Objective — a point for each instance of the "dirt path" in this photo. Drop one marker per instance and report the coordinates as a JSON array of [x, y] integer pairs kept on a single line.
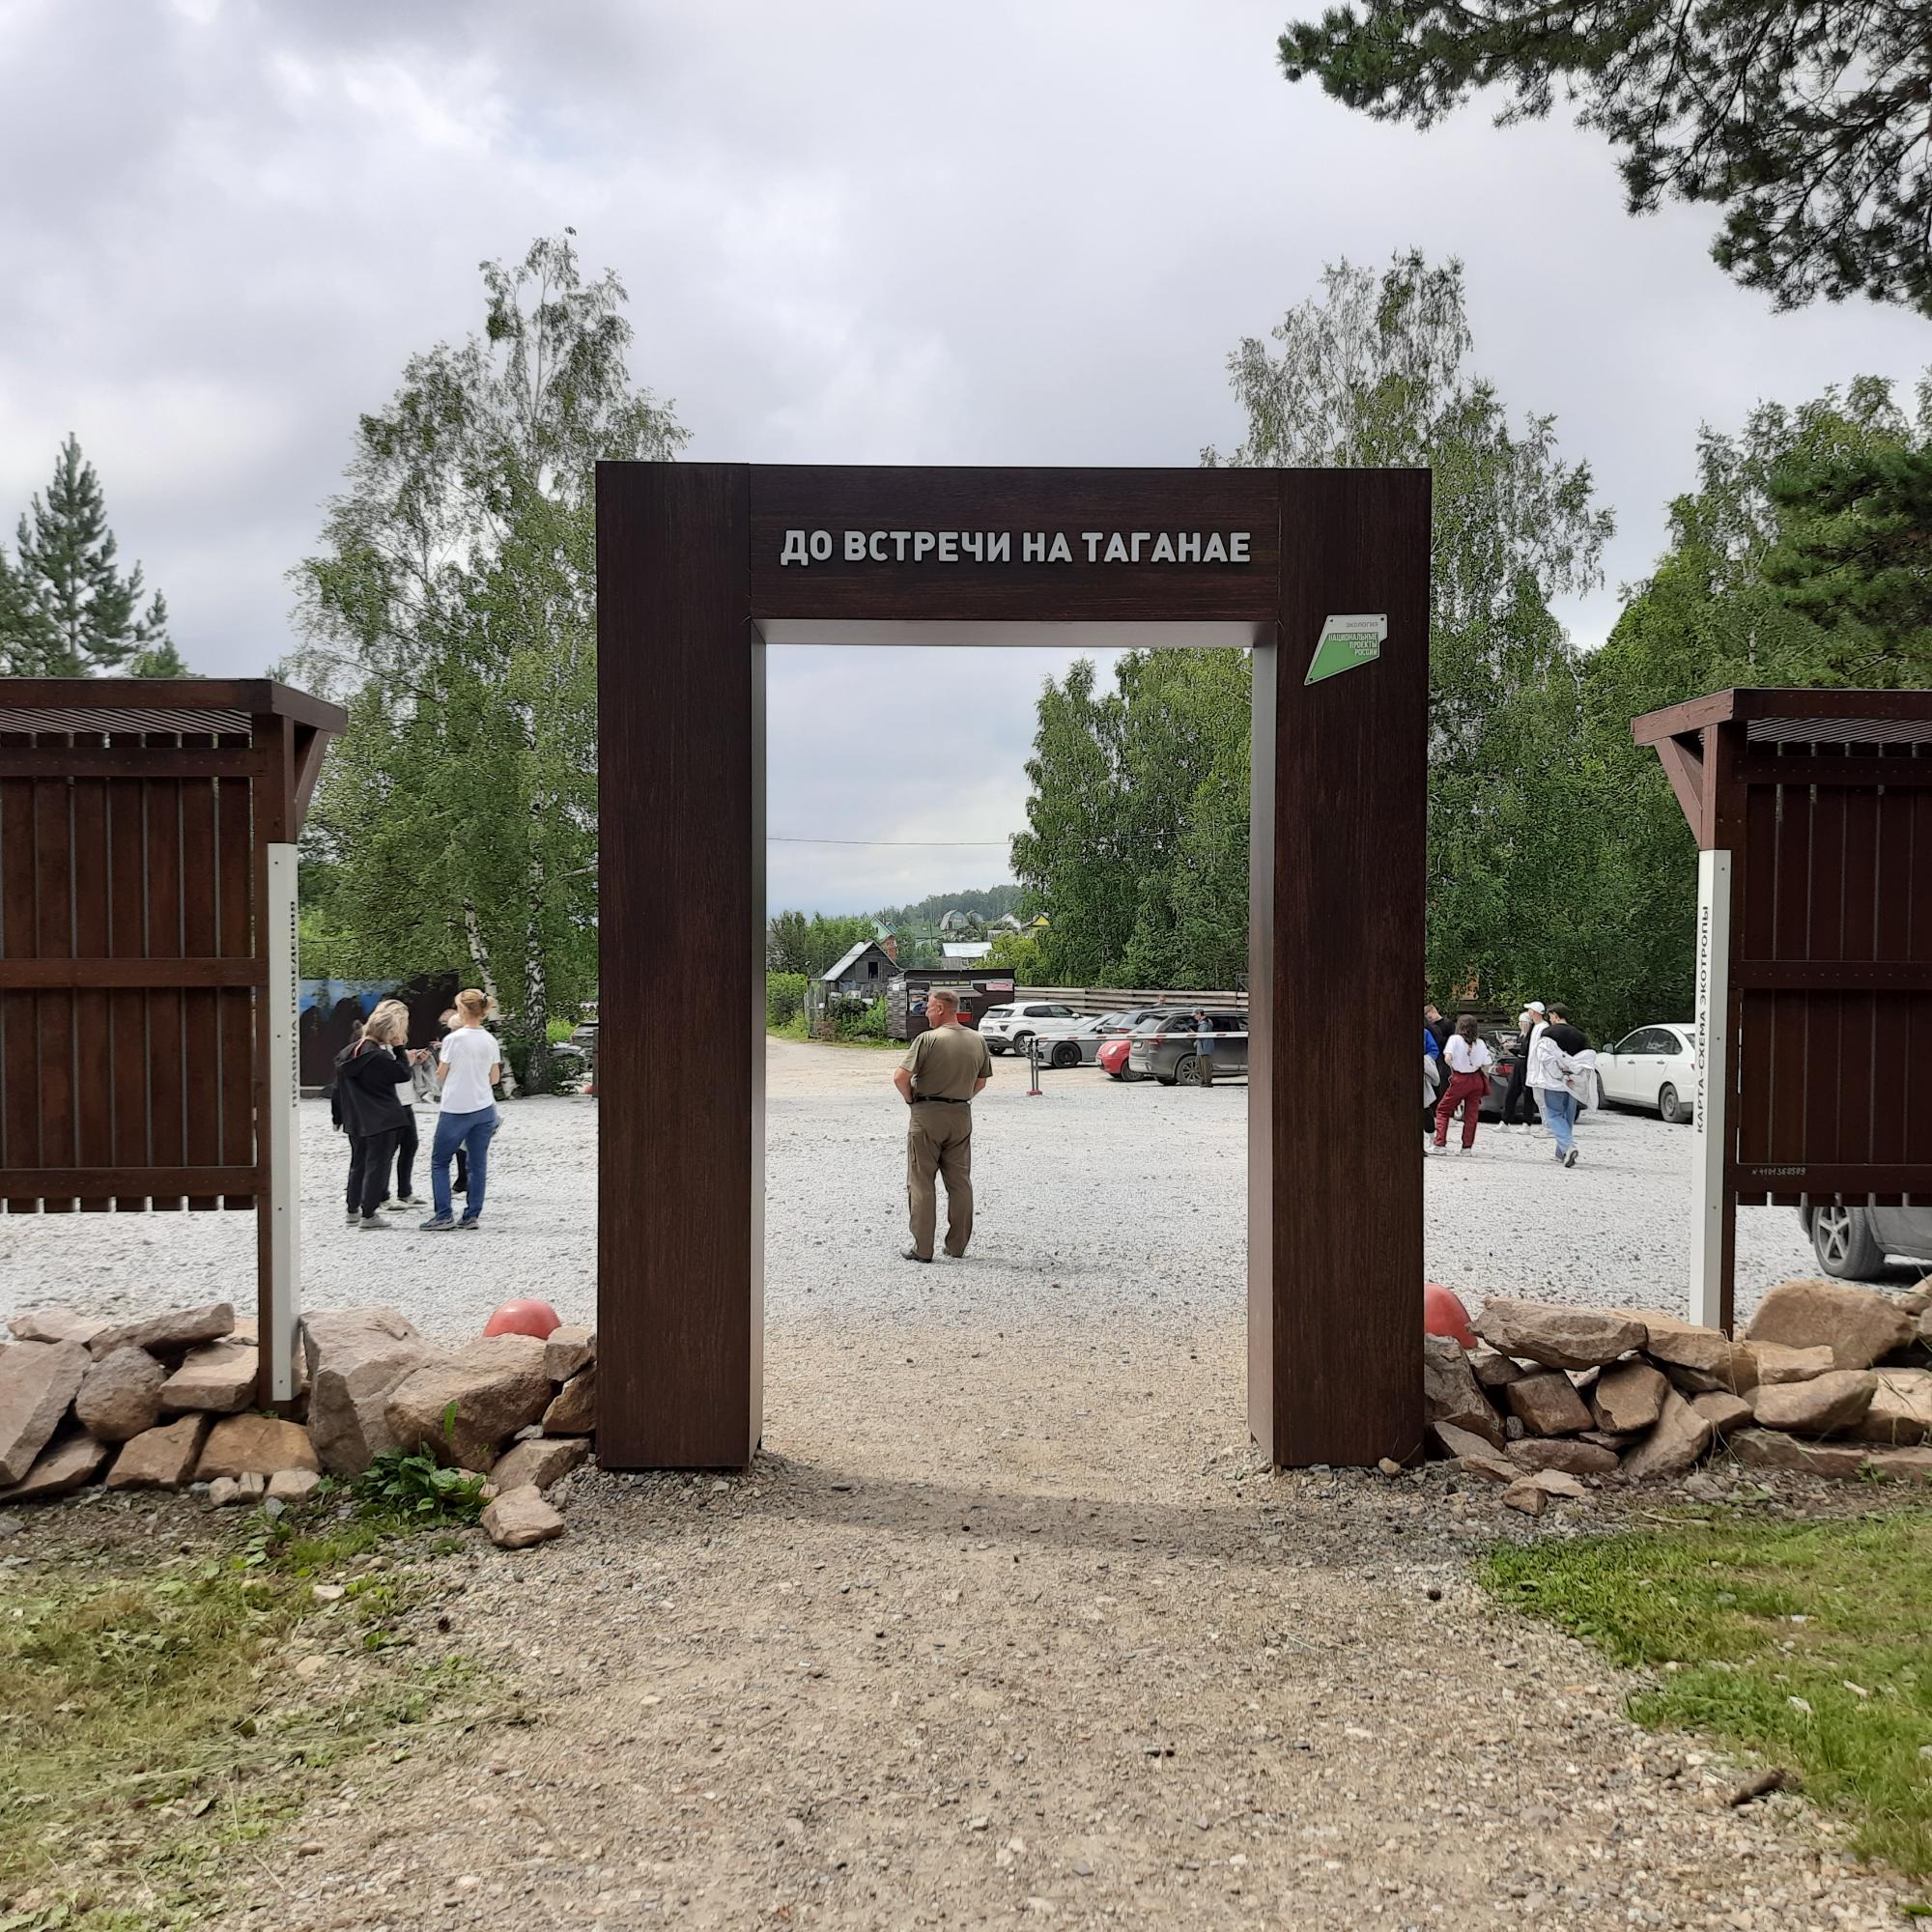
[[1016, 1630]]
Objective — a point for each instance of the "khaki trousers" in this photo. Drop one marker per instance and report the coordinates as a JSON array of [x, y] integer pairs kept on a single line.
[[939, 1141]]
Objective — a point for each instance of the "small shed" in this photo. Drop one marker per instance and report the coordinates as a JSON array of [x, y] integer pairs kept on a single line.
[[1812, 813], [864, 973]]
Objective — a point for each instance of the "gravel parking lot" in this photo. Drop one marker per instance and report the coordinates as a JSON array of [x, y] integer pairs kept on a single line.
[[1100, 1203]]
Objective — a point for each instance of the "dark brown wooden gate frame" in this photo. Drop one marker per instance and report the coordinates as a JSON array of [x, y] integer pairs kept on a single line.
[[1812, 811], [693, 582], [139, 820]]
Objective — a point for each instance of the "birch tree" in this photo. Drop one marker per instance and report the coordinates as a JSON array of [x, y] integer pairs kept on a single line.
[[451, 602]]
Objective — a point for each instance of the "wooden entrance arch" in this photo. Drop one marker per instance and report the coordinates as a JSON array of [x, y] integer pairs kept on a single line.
[[700, 566]]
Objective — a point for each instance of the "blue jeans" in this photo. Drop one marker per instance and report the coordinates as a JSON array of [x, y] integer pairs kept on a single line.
[[1559, 1114], [470, 1132]]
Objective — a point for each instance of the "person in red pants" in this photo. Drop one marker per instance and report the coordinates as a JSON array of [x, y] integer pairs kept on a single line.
[[1469, 1061]]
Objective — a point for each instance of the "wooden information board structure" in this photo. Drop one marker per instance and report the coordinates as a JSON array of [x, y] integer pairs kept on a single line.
[[1812, 811], [1323, 574], [147, 995]]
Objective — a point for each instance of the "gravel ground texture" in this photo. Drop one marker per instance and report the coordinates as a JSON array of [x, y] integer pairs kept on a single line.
[[1102, 1201], [1006, 1625], [1015, 1631]]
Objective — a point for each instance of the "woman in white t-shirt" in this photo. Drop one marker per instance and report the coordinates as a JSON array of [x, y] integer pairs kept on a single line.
[[1469, 1058], [473, 1063]]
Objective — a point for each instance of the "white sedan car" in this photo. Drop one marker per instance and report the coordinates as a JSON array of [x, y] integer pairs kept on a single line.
[[1656, 1067]]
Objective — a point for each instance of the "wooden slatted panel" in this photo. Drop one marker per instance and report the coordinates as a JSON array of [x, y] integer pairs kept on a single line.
[[1858, 1011], [53, 922], [1791, 923], [1848, 883], [93, 1069], [1824, 940], [235, 940], [19, 1046], [201, 1036], [127, 939], [167, 1136], [1918, 944]]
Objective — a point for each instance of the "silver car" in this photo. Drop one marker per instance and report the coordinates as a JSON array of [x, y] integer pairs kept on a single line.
[[1853, 1243], [1071, 1042]]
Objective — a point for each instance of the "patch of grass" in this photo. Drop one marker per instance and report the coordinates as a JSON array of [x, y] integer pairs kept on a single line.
[[797, 1029], [152, 1724], [1809, 1643]]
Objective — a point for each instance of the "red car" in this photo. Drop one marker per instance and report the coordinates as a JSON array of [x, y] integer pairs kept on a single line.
[[1114, 1060]]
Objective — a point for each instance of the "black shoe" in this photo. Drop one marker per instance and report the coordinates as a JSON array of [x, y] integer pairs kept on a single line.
[[912, 1253]]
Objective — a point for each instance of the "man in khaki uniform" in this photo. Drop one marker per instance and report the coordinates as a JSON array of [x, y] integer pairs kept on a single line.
[[942, 1070]]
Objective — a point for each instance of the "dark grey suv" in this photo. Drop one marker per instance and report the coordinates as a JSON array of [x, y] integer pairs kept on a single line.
[[1853, 1242], [1167, 1047]]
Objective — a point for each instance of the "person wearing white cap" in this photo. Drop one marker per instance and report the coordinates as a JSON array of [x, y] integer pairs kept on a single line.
[[1517, 1096]]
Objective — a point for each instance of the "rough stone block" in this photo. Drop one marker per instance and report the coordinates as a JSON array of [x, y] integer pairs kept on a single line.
[[38, 1380]]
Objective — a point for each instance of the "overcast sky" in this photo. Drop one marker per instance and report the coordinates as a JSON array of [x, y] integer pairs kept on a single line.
[[1008, 231]]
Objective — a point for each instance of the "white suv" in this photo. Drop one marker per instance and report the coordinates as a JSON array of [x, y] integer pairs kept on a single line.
[[1004, 1028]]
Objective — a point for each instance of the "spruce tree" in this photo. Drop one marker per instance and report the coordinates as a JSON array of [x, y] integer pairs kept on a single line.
[[80, 616], [23, 631]]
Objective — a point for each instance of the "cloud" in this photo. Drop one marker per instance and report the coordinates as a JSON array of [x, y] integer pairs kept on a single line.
[[870, 233]]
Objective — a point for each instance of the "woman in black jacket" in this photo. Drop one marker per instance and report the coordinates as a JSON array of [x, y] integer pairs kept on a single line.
[[368, 1081]]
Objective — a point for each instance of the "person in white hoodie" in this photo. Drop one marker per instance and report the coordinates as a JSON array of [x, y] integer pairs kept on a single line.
[[1563, 1070]]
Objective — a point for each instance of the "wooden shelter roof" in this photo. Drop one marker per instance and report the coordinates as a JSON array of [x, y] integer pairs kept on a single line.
[[1798, 716]]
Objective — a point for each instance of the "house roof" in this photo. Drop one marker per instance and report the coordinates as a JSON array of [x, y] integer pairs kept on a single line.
[[859, 952], [978, 949]]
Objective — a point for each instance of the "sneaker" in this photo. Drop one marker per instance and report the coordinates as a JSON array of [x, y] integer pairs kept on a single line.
[[396, 1203], [912, 1253], [437, 1224], [1439, 1146], [470, 1222], [1570, 1159], [355, 1218], [371, 1224]]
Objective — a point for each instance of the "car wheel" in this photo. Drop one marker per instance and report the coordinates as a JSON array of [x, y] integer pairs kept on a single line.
[[1187, 1071], [1065, 1054], [1020, 1041], [1841, 1237], [1670, 1106]]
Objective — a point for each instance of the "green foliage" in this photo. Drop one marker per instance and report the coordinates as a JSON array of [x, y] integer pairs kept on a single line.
[[796, 943], [853, 1021], [1137, 839], [452, 604], [1759, 586], [1805, 121], [412, 1485], [1137, 824], [1853, 551], [1803, 1641], [1019, 953], [785, 999], [65, 611]]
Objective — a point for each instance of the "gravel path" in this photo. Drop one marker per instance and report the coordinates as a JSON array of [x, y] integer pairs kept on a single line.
[[1006, 1625], [1107, 1202], [1013, 1631]]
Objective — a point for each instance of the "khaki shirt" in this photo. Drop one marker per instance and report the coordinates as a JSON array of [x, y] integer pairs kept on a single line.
[[946, 1062]]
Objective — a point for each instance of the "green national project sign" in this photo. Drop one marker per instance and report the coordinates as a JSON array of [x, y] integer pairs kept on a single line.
[[1345, 644]]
